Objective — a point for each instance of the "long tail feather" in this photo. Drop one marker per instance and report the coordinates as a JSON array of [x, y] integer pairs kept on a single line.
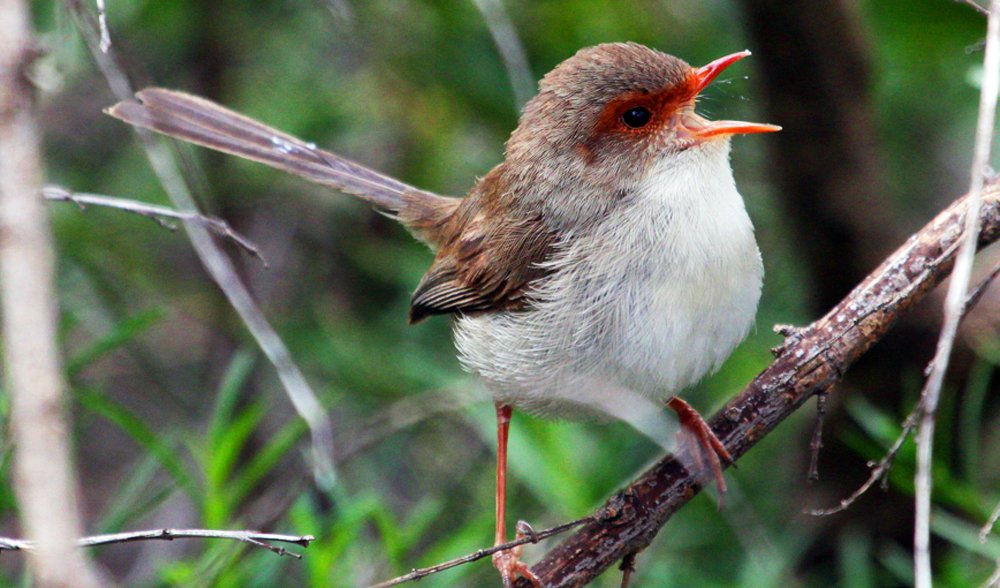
[[206, 123]]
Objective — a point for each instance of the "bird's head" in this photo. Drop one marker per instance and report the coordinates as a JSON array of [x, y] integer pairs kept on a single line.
[[615, 109]]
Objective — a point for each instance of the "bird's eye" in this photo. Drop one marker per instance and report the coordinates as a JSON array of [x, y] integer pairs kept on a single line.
[[636, 117]]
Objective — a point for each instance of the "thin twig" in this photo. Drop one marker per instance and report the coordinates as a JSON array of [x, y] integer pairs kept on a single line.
[[102, 21], [981, 10], [976, 293], [155, 212], [255, 538], [481, 553], [511, 49], [627, 568], [880, 470], [986, 529], [301, 395], [955, 299], [994, 580], [817, 439]]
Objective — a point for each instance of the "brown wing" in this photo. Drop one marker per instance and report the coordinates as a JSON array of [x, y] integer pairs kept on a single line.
[[488, 265]]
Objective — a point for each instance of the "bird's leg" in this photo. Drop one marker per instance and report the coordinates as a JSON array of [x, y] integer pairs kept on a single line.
[[503, 426], [508, 562], [697, 440]]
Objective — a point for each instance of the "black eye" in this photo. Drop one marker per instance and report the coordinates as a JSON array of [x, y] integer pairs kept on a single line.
[[637, 117]]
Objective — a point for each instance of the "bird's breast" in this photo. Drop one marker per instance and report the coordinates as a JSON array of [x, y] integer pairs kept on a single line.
[[648, 300]]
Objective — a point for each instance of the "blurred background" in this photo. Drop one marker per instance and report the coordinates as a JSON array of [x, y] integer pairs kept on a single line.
[[180, 422]]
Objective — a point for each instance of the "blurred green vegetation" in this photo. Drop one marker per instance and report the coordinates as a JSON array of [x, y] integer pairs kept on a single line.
[[181, 422]]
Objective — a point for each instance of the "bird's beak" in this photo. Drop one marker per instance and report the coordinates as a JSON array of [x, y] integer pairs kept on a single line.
[[702, 128]]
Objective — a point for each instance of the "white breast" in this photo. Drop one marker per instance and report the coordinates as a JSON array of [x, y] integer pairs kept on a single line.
[[648, 301]]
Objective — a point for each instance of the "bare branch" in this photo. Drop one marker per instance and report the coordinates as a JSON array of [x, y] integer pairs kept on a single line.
[[880, 470], [975, 6], [628, 568], [955, 299], [987, 528], [44, 477], [817, 439], [994, 580], [102, 21], [263, 540], [155, 212], [488, 551], [976, 293], [301, 395]]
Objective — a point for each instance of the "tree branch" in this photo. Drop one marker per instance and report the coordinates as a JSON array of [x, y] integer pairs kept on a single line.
[[44, 477], [533, 537], [263, 540], [811, 360], [155, 212]]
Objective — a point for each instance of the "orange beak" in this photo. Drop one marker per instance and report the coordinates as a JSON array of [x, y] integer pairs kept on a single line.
[[701, 128]]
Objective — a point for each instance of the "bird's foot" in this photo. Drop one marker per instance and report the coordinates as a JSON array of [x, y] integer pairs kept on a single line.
[[696, 440], [508, 562]]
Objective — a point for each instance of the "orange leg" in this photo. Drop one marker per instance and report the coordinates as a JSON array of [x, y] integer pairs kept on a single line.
[[698, 441], [504, 413], [508, 562]]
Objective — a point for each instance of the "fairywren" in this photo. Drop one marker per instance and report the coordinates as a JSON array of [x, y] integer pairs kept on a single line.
[[608, 254]]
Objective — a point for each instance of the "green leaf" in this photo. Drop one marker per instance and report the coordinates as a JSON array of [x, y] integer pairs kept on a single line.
[[265, 459], [142, 434], [228, 394], [122, 333], [219, 460]]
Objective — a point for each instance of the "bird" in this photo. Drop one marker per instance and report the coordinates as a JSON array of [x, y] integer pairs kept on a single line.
[[608, 255]]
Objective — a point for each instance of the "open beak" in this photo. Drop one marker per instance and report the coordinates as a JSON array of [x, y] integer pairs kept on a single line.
[[701, 128]]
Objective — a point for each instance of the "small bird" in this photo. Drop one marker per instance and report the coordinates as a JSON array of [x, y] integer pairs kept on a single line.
[[608, 255]]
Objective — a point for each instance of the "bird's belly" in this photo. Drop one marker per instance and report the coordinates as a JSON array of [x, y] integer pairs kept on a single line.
[[640, 304], [603, 340], [671, 334]]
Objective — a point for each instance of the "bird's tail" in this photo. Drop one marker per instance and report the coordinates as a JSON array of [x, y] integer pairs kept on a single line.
[[206, 123]]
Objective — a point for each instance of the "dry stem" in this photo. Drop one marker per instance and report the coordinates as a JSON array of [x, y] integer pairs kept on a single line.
[[534, 537], [254, 538], [955, 300], [44, 477], [155, 212]]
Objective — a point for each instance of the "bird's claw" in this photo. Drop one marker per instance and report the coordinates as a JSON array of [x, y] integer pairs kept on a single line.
[[697, 441], [510, 566], [508, 562]]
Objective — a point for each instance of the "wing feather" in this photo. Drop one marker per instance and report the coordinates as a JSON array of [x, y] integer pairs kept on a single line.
[[490, 265]]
